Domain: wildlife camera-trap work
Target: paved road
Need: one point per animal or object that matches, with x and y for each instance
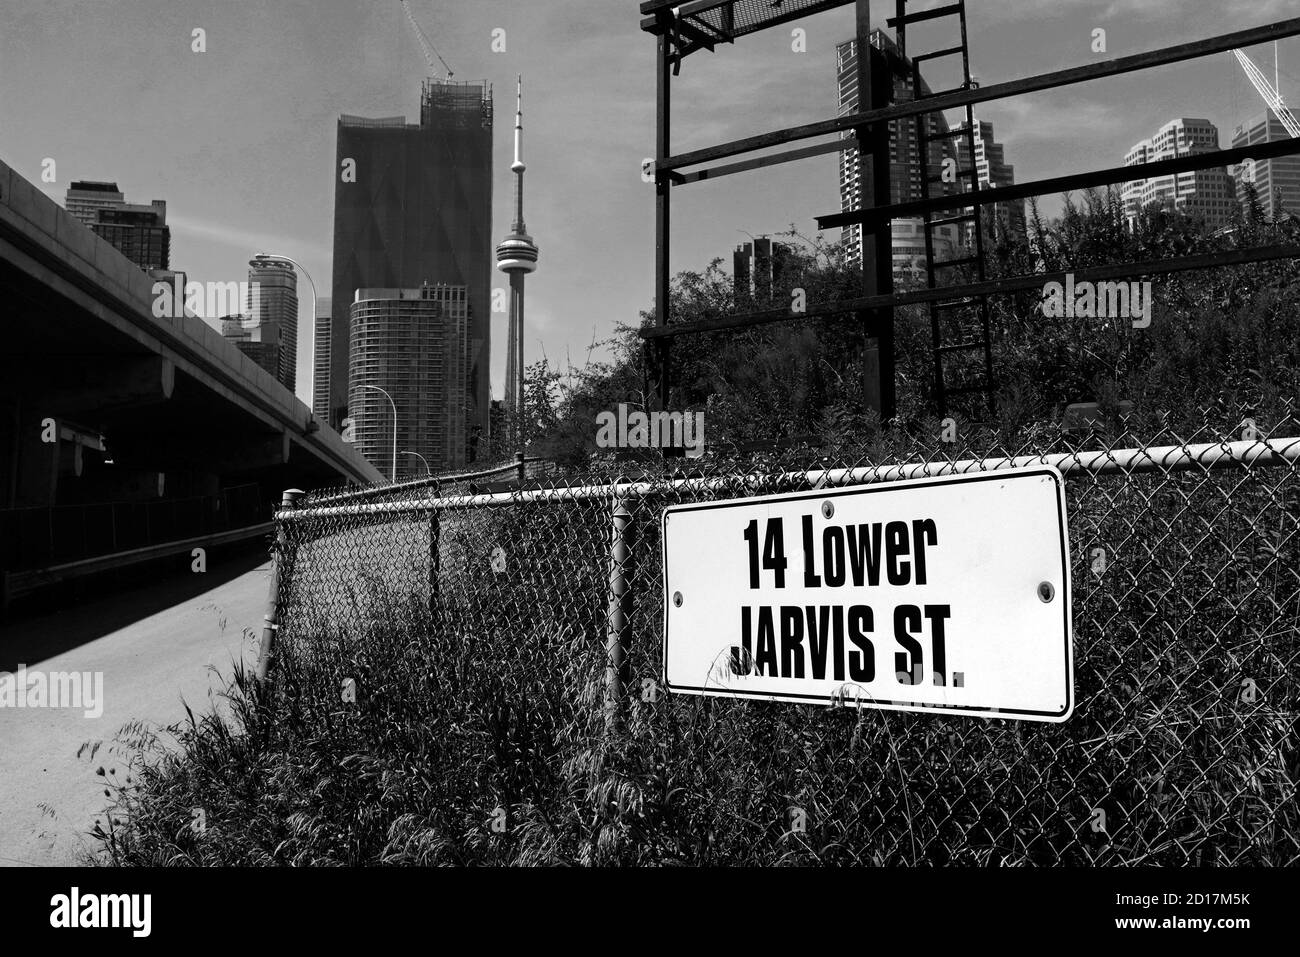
(155, 646)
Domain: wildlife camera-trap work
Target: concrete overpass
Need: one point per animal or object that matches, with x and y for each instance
(122, 433)
(181, 411)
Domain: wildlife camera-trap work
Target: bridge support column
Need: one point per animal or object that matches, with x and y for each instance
(34, 473)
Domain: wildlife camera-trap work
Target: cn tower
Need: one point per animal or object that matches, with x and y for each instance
(517, 257)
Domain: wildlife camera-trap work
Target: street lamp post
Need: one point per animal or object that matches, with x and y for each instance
(427, 471)
(311, 333)
(394, 405)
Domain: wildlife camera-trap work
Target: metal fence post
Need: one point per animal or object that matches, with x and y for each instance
(519, 466)
(620, 608)
(435, 561)
(279, 569)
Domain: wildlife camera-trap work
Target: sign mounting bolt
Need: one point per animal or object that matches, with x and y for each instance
(677, 599)
(1046, 591)
(827, 509)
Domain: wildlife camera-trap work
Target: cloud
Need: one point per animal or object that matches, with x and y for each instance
(1143, 9)
(248, 241)
(1026, 120)
(1264, 9)
(1261, 10)
(245, 241)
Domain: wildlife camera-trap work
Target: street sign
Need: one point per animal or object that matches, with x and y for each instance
(946, 595)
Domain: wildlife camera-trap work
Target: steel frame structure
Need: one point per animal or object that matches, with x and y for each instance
(681, 29)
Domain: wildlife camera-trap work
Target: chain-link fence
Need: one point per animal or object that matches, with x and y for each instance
(508, 644)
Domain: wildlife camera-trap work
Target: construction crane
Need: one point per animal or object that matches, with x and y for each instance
(425, 45)
(1270, 94)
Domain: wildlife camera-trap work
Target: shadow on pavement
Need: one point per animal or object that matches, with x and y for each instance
(74, 615)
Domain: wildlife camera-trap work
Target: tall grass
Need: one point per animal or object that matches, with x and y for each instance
(476, 735)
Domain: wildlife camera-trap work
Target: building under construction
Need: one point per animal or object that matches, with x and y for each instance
(413, 205)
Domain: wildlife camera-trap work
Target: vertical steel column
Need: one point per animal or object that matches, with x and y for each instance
(620, 610)
(280, 567)
(990, 403)
(663, 187)
(875, 91)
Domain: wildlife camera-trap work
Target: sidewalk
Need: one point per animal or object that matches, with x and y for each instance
(49, 797)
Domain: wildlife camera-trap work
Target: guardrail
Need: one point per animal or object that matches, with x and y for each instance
(15, 585)
(41, 536)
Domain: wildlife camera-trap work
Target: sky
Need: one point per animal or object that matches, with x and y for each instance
(239, 140)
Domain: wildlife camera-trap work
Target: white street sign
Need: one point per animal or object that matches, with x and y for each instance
(946, 595)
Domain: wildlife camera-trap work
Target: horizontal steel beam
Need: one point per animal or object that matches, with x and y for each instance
(687, 9)
(713, 172)
(1164, 458)
(989, 287)
(701, 38)
(921, 15)
(997, 91)
(661, 11)
(1060, 184)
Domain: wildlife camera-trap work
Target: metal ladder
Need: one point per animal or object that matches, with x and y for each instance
(957, 326)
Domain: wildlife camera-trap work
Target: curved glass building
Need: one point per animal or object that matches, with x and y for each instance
(412, 344)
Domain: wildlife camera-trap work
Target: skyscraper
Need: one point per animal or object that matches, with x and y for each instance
(320, 403)
(992, 171)
(86, 197)
(757, 268)
(244, 334)
(1208, 193)
(413, 205)
(906, 166)
(273, 312)
(410, 343)
(1276, 181)
(140, 233)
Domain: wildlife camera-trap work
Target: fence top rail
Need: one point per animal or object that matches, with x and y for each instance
(1165, 458)
(427, 482)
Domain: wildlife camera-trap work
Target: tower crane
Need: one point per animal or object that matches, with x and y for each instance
(1270, 94)
(425, 45)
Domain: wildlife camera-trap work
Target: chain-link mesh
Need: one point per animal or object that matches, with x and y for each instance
(485, 619)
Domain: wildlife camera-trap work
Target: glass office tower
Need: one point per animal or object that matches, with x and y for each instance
(413, 205)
